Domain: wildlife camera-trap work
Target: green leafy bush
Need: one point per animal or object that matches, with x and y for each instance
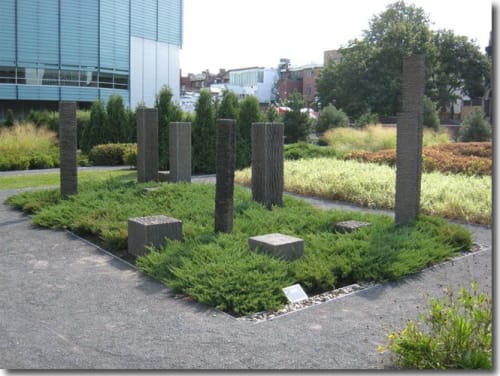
(431, 118)
(113, 154)
(456, 333)
(10, 119)
(475, 127)
(331, 117)
(168, 111)
(40, 160)
(304, 150)
(249, 112)
(203, 135)
(297, 123)
(366, 119)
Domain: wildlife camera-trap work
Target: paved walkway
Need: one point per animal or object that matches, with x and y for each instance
(65, 304)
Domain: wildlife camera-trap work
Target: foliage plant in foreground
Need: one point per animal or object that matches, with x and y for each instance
(456, 333)
(218, 269)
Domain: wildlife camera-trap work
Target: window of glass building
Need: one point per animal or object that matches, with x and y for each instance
(7, 75)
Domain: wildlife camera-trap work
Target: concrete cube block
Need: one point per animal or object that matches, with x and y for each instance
(164, 176)
(278, 245)
(151, 231)
(349, 226)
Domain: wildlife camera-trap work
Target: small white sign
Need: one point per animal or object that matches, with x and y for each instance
(295, 293)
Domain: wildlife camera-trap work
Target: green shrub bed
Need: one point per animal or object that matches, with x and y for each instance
(113, 155)
(304, 150)
(218, 269)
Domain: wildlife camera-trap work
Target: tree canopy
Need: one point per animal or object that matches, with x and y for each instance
(369, 77)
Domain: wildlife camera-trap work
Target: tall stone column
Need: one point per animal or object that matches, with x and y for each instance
(267, 163)
(409, 141)
(68, 148)
(180, 152)
(147, 145)
(224, 170)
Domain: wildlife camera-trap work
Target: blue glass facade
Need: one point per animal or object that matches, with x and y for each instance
(78, 50)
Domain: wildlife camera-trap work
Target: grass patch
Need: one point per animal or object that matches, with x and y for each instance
(373, 138)
(460, 197)
(25, 146)
(218, 269)
(49, 179)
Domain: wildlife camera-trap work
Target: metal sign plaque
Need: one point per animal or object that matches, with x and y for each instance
(295, 293)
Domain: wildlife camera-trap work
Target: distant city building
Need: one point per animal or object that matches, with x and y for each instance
(82, 50)
(254, 81)
(195, 82)
(332, 55)
(301, 79)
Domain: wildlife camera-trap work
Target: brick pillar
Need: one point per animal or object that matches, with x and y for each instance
(225, 162)
(409, 141)
(180, 152)
(67, 148)
(147, 145)
(267, 163)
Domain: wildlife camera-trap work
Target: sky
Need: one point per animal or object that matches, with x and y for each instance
(233, 34)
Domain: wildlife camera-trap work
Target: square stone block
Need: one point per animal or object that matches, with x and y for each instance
(147, 231)
(349, 226)
(164, 176)
(278, 245)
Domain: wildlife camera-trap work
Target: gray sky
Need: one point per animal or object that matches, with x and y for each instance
(237, 34)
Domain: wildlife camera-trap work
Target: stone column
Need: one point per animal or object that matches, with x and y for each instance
(147, 145)
(409, 141)
(267, 163)
(225, 162)
(67, 148)
(180, 152)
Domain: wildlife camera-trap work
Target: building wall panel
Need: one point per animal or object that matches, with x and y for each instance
(170, 21)
(8, 33)
(8, 92)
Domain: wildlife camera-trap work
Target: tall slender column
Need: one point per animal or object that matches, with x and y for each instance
(224, 170)
(409, 141)
(68, 149)
(147, 145)
(267, 163)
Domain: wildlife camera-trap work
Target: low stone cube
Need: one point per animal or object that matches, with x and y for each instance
(164, 176)
(151, 231)
(150, 189)
(278, 245)
(349, 226)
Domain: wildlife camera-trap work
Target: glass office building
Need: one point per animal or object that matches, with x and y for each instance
(82, 50)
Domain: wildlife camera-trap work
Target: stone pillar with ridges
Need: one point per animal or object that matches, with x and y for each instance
(409, 141)
(267, 163)
(68, 149)
(180, 152)
(224, 170)
(147, 145)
